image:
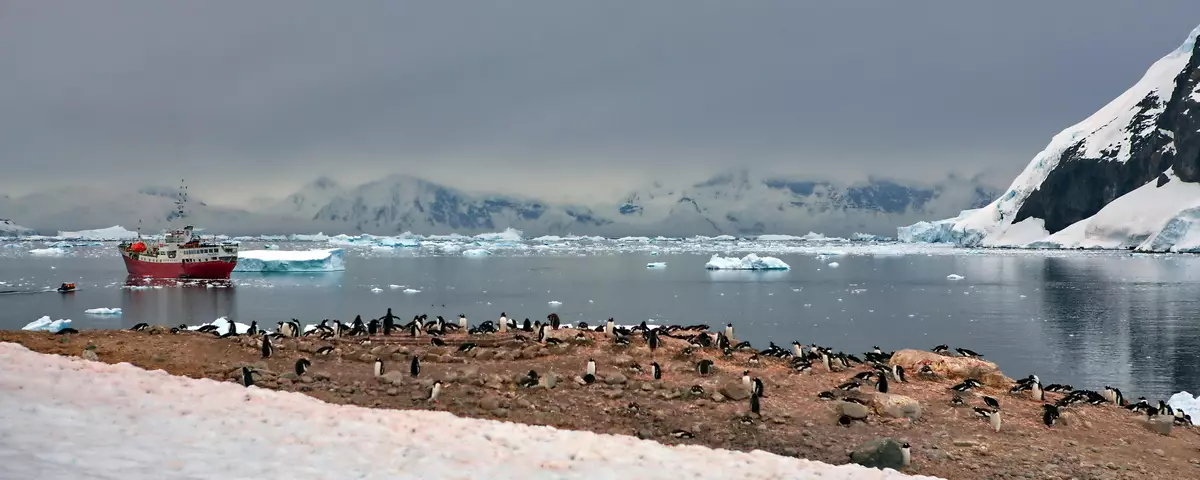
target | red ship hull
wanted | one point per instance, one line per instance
(214, 270)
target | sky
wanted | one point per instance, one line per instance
(559, 99)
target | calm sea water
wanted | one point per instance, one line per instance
(1089, 319)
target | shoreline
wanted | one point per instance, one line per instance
(1101, 441)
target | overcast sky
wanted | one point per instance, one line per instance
(555, 98)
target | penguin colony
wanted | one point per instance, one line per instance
(800, 358)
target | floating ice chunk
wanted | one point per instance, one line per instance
(376, 289)
(1186, 402)
(554, 303)
(323, 260)
(395, 287)
(44, 324)
(954, 276)
(411, 290)
(834, 264)
(508, 235)
(103, 311)
(271, 246)
(115, 232)
(48, 252)
(749, 262)
(656, 265)
(476, 252)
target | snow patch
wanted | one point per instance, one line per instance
(222, 325)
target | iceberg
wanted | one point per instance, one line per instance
(656, 265)
(44, 324)
(115, 232)
(321, 260)
(411, 290)
(1186, 402)
(476, 252)
(749, 262)
(954, 276)
(103, 311)
(508, 235)
(48, 252)
(554, 303)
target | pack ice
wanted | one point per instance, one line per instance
(321, 260)
(135, 424)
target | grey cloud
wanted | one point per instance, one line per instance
(562, 98)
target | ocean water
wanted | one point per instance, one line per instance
(1085, 318)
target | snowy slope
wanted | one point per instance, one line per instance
(307, 201)
(137, 424)
(10, 229)
(1141, 139)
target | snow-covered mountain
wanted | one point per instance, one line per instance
(307, 201)
(739, 202)
(403, 203)
(10, 229)
(1126, 177)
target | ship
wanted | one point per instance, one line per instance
(181, 253)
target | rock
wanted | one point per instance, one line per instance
(879, 453)
(952, 367)
(159, 330)
(490, 402)
(854, 410)
(398, 357)
(1159, 452)
(89, 354)
(306, 379)
(530, 352)
(524, 403)
(366, 358)
(646, 387)
(468, 371)
(734, 391)
(622, 361)
(1161, 428)
(378, 350)
(580, 381)
(285, 381)
(549, 380)
(438, 351)
(290, 376)
(616, 379)
(717, 398)
(614, 394)
(394, 378)
(393, 391)
(896, 406)
(965, 443)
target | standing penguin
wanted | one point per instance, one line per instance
(462, 321)
(994, 419)
(378, 367)
(253, 330)
(898, 372)
(434, 391)
(503, 322)
(373, 327)
(542, 334)
(247, 377)
(656, 370)
(746, 380)
(415, 368)
(729, 331)
(1037, 393)
(555, 322)
(882, 384)
(905, 454)
(267, 349)
(591, 367)
(758, 387)
(652, 340)
(609, 327)
(389, 322)
(754, 405)
(704, 367)
(302, 366)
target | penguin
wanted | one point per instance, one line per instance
(462, 321)
(991, 402)
(1037, 393)
(247, 377)
(652, 340)
(758, 387)
(529, 326)
(704, 367)
(466, 347)
(754, 404)
(609, 327)
(882, 384)
(253, 330)
(389, 322)
(1049, 414)
(876, 350)
(140, 327)
(373, 327)
(797, 349)
(542, 334)
(302, 366)
(437, 342)
(434, 391)
(656, 370)
(682, 434)
(69, 330)
(232, 330)
(941, 349)
(746, 380)
(555, 322)
(825, 395)
(267, 349)
(968, 353)
(530, 380)
(898, 373)
(729, 330)
(324, 350)
(957, 400)
(503, 322)
(825, 361)
(591, 367)
(589, 379)
(994, 420)
(378, 367)
(905, 455)
(415, 368)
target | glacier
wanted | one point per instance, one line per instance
(321, 260)
(749, 262)
(1123, 178)
(44, 324)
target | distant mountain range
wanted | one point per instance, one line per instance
(735, 202)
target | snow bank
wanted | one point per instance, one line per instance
(44, 324)
(222, 325)
(115, 232)
(749, 262)
(103, 311)
(1186, 402)
(135, 424)
(476, 252)
(324, 260)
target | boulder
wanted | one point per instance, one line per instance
(952, 367)
(879, 453)
(1157, 426)
(90, 354)
(490, 402)
(896, 406)
(734, 391)
(854, 410)
(394, 378)
(622, 361)
(616, 379)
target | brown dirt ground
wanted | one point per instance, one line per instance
(1098, 442)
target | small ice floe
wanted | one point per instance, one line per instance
(656, 265)
(411, 290)
(954, 276)
(395, 287)
(376, 289)
(103, 311)
(834, 264)
(554, 303)
(44, 324)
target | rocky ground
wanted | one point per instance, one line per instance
(1100, 442)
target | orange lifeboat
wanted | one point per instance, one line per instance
(138, 247)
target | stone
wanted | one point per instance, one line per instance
(90, 354)
(290, 376)
(965, 443)
(549, 380)
(734, 391)
(854, 410)
(622, 361)
(393, 391)
(378, 350)
(952, 367)
(285, 381)
(530, 352)
(468, 371)
(646, 387)
(394, 378)
(397, 357)
(896, 406)
(490, 402)
(366, 358)
(717, 398)
(616, 379)
(306, 379)
(524, 403)
(1159, 452)
(1161, 428)
(438, 351)
(879, 453)
(614, 394)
